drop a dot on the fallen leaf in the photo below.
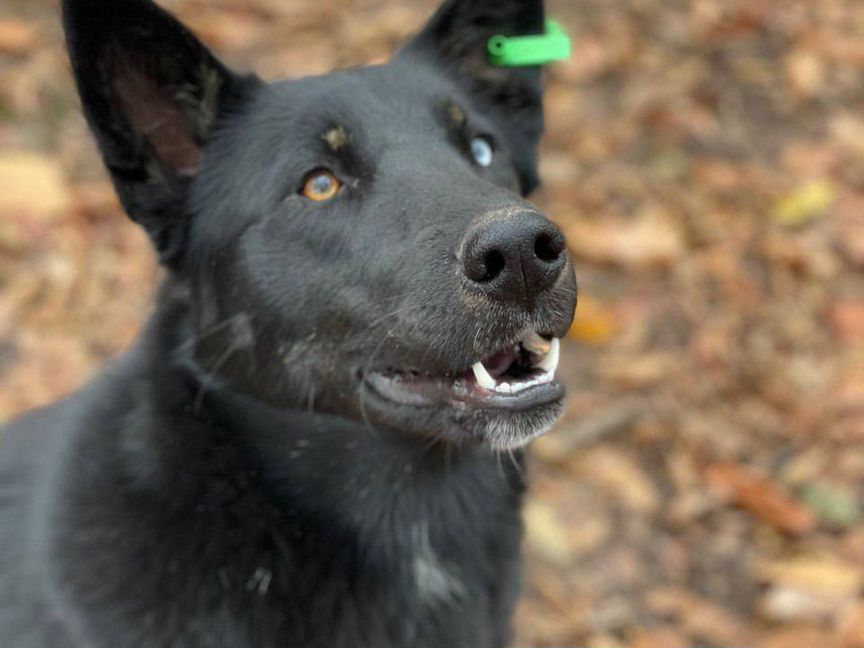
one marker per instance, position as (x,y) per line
(16,36)
(850,626)
(848,228)
(847,129)
(817,574)
(797,636)
(227,29)
(652,240)
(599,425)
(96,200)
(805,204)
(762,497)
(622,477)
(837,506)
(595,322)
(545,532)
(657,637)
(638,372)
(31,184)
(785,604)
(700,617)
(560,536)
(805,72)
(847,320)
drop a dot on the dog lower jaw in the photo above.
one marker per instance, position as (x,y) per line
(512,435)
(499,422)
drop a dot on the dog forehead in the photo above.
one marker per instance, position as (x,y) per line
(376,98)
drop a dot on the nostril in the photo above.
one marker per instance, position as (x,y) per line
(484,261)
(515,258)
(547,247)
(494,263)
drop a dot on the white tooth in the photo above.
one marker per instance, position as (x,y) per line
(536,344)
(483,378)
(504,388)
(550,362)
(522,386)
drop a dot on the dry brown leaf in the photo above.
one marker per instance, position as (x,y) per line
(33,185)
(760,496)
(849,228)
(639,372)
(652,240)
(798,636)
(700,617)
(805,72)
(559,538)
(817,574)
(622,477)
(784,604)
(545,533)
(595,322)
(222,29)
(847,320)
(54,367)
(850,626)
(657,637)
(96,199)
(16,36)
(847,128)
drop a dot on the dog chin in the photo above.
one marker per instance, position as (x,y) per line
(506,432)
(502,431)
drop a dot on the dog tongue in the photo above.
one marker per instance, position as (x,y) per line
(500,362)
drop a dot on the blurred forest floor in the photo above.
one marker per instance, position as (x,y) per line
(706,158)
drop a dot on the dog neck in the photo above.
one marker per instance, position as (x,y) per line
(283,513)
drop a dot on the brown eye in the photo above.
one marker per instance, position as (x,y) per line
(321,185)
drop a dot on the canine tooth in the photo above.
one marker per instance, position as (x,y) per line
(483,378)
(550,362)
(537,344)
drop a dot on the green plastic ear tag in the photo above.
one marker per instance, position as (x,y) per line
(519,51)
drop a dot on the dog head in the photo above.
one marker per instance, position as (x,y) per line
(356,243)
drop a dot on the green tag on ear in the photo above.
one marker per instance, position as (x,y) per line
(524,51)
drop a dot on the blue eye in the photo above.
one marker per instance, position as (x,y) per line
(481,149)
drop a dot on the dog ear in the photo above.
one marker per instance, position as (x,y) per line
(456,39)
(151,93)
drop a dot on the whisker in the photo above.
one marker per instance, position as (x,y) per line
(311,398)
(369,362)
(202,389)
(516,466)
(383,318)
(393,313)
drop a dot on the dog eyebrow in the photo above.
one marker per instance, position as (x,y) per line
(456,114)
(336,138)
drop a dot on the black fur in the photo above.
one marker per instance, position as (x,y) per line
(232,481)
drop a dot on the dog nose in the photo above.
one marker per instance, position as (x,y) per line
(514,259)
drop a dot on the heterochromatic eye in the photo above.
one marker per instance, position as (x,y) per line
(321,185)
(481,149)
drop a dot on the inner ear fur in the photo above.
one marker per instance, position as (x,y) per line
(152,94)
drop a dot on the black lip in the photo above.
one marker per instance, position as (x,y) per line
(442,392)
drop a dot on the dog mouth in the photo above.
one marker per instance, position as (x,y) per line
(518,377)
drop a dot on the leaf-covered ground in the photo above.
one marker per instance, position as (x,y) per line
(706,158)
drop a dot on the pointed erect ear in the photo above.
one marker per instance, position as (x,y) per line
(151,93)
(457,38)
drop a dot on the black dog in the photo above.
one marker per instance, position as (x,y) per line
(308,445)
